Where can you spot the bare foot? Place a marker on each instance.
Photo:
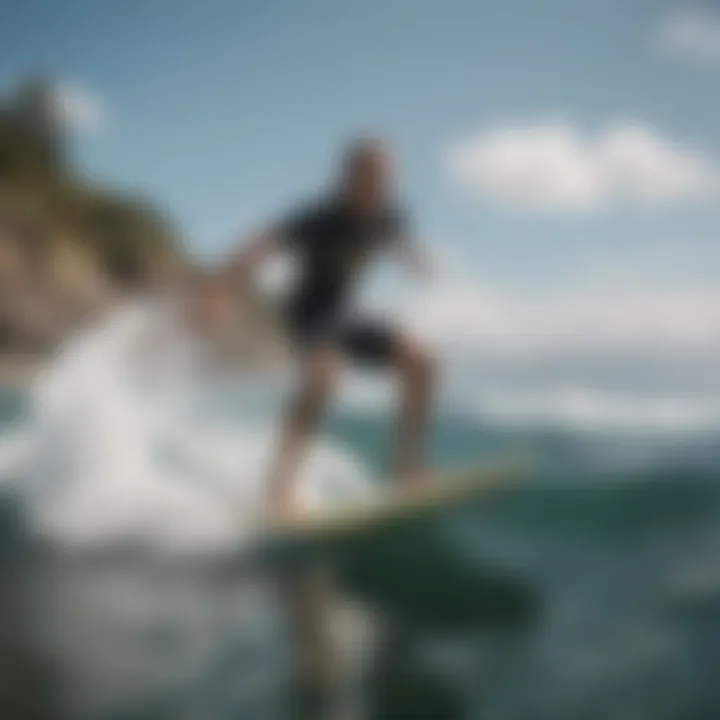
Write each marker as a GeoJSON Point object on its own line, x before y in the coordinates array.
{"type": "Point", "coordinates": [412, 483]}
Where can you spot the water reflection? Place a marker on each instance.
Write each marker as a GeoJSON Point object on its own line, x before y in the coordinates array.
{"type": "Point", "coordinates": [139, 640]}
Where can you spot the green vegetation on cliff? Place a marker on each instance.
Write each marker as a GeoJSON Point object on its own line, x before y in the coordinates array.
{"type": "Point", "coordinates": [44, 199]}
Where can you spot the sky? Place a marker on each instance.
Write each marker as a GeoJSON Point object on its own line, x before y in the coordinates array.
{"type": "Point", "coordinates": [560, 157]}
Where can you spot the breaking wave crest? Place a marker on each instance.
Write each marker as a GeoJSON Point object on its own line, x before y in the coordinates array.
{"type": "Point", "coordinates": [127, 444]}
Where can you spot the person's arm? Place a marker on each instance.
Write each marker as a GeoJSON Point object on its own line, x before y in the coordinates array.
{"type": "Point", "coordinates": [407, 249]}
{"type": "Point", "coordinates": [289, 233]}
{"type": "Point", "coordinates": [251, 253]}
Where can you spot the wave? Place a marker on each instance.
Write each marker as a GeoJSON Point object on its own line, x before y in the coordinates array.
{"type": "Point", "coordinates": [580, 408]}
{"type": "Point", "coordinates": [127, 444]}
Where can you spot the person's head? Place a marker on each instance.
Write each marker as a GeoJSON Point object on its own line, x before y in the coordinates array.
{"type": "Point", "coordinates": [367, 174]}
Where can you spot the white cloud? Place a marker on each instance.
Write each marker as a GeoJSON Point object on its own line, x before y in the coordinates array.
{"type": "Point", "coordinates": [79, 109]}
{"type": "Point", "coordinates": [554, 166]}
{"type": "Point", "coordinates": [693, 34]}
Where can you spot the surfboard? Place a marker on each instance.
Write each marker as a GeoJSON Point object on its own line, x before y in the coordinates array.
{"type": "Point", "coordinates": [390, 510]}
{"type": "Point", "coordinates": [391, 553]}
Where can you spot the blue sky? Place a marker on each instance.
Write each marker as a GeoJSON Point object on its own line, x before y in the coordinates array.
{"type": "Point", "coordinates": [226, 111]}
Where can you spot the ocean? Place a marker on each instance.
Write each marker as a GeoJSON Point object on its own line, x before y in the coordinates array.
{"type": "Point", "coordinates": [589, 591]}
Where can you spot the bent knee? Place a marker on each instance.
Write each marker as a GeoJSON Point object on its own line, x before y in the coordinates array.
{"type": "Point", "coordinates": [417, 361]}
{"type": "Point", "coordinates": [321, 374]}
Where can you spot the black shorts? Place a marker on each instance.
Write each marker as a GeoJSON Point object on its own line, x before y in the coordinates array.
{"type": "Point", "coordinates": [366, 341]}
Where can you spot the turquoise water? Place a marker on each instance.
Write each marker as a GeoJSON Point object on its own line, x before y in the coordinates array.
{"type": "Point", "coordinates": [591, 592]}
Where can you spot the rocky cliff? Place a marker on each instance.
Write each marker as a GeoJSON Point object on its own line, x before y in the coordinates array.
{"type": "Point", "coordinates": [69, 246]}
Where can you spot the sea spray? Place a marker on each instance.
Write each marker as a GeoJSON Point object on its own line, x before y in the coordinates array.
{"type": "Point", "coordinates": [129, 445]}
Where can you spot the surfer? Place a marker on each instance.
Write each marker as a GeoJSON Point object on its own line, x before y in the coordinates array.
{"type": "Point", "coordinates": [334, 239]}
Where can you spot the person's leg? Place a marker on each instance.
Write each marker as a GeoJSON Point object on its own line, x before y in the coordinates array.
{"type": "Point", "coordinates": [307, 597]}
{"type": "Point", "coordinates": [416, 369]}
{"type": "Point", "coordinates": [379, 345]}
{"type": "Point", "coordinates": [319, 374]}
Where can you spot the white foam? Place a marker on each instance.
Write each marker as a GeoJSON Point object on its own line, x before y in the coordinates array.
{"type": "Point", "coordinates": [15, 445]}
{"type": "Point", "coordinates": [581, 408]}
{"type": "Point", "coordinates": [124, 449]}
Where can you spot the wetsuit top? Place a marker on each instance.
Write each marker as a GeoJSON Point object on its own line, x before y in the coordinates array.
{"type": "Point", "coordinates": [333, 245]}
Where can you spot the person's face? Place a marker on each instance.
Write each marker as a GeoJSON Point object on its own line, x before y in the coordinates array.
{"type": "Point", "coordinates": [370, 184]}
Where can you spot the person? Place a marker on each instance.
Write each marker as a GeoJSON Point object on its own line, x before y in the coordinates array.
{"type": "Point", "coordinates": [334, 240]}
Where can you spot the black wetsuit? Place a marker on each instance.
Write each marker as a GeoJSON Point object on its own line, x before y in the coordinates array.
{"type": "Point", "coordinates": [333, 245]}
